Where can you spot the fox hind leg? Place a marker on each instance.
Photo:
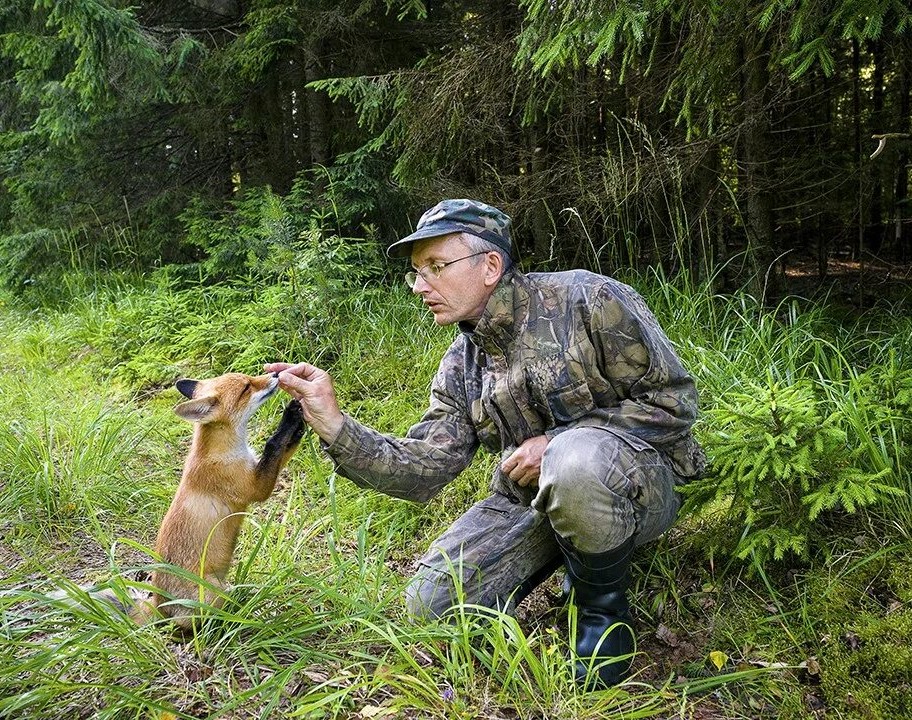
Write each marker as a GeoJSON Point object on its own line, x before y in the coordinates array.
{"type": "Point", "coordinates": [184, 616]}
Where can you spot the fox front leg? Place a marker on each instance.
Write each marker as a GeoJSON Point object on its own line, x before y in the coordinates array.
{"type": "Point", "coordinates": [279, 449]}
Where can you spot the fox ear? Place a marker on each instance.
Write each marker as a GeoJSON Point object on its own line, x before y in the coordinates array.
{"type": "Point", "coordinates": [200, 410]}
{"type": "Point", "coordinates": [186, 387]}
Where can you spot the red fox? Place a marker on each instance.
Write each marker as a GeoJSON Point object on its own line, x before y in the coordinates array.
{"type": "Point", "coordinates": [221, 477]}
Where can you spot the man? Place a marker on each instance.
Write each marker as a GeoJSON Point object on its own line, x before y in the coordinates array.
{"type": "Point", "coordinates": [570, 378]}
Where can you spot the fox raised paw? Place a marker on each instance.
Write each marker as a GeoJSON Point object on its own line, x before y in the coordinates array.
{"type": "Point", "coordinates": [292, 423]}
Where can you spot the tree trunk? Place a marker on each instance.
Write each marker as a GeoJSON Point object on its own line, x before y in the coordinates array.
{"type": "Point", "coordinates": [875, 228]}
{"type": "Point", "coordinates": [299, 123]}
{"type": "Point", "coordinates": [901, 207]}
{"type": "Point", "coordinates": [280, 169]}
{"type": "Point", "coordinates": [265, 160]}
{"type": "Point", "coordinates": [766, 279]}
{"type": "Point", "coordinates": [539, 215]}
{"type": "Point", "coordinates": [823, 218]}
{"type": "Point", "coordinates": [856, 119]}
{"type": "Point", "coordinates": [697, 197]}
{"type": "Point", "coordinates": [318, 111]}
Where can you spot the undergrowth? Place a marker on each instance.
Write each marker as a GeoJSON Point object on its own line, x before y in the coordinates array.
{"type": "Point", "coordinates": [785, 584]}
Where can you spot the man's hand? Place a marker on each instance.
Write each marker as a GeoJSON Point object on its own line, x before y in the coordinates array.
{"type": "Point", "coordinates": [313, 388]}
{"type": "Point", "coordinates": [524, 464]}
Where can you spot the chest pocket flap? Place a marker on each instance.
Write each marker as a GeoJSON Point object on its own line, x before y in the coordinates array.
{"type": "Point", "coordinates": [558, 388]}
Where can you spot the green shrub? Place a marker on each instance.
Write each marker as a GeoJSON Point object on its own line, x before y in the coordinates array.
{"type": "Point", "coordinates": [261, 236]}
{"type": "Point", "coordinates": [251, 238]}
{"type": "Point", "coordinates": [779, 458]}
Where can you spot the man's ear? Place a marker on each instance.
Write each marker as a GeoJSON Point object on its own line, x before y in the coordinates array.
{"type": "Point", "coordinates": [494, 268]}
{"type": "Point", "coordinates": [200, 410]}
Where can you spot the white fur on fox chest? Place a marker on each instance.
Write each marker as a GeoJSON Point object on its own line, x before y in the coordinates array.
{"type": "Point", "coordinates": [205, 508]}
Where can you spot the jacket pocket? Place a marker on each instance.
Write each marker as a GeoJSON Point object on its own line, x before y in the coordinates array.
{"type": "Point", "coordinates": [569, 403]}
{"type": "Point", "coordinates": [557, 388]}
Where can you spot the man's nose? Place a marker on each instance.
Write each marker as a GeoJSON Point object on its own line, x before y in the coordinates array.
{"type": "Point", "coordinates": [421, 285]}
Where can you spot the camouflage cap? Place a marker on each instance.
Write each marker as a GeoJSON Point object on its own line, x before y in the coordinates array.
{"type": "Point", "coordinates": [452, 216]}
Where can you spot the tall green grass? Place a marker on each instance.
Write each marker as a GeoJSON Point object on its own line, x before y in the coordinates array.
{"type": "Point", "coordinates": [855, 371]}
{"type": "Point", "coordinates": [314, 626]}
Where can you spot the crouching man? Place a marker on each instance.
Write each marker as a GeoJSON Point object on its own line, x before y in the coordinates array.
{"type": "Point", "coordinates": [569, 378]}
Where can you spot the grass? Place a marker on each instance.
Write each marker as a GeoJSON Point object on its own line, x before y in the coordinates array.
{"type": "Point", "coordinates": [314, 627]}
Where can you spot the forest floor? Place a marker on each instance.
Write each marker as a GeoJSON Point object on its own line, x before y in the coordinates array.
{"type": "Point", "coordinates": [857, 283]}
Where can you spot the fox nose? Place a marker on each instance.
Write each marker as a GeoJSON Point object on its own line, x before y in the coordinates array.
{"type": "Point", "coordinates": [275, 374]}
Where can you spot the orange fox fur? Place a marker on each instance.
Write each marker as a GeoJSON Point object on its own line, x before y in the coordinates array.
{"type": "Point", "coordinates": [221, 477]}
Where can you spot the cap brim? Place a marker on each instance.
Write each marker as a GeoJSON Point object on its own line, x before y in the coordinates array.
{"type": "Point", "coordinates": [403, 247]}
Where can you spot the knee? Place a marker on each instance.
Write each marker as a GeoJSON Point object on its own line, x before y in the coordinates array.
{"type": "Point", "coordinates": [579, 453]}
{"type": "Point", "coordinates": [573, 466]}
{"type": "Point", "coordinates": [430, 594]}
{"type": "Point", "coordinates": [586, 491]}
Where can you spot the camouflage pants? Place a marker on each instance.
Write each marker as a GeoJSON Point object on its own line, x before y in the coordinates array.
{"type": "Point", "coordinates": [597, 488]}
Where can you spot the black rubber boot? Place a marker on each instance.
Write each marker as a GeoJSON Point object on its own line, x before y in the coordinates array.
{"type": "Point", "coordinates": [522, 591]}
{"type": "Point", "coordinates": [599, 582]}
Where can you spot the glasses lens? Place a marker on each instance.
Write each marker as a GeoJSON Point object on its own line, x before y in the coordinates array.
{"type": "Point", "coordinates": [411, 278]}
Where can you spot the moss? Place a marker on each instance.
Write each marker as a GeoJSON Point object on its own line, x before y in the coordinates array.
{"type": "Point", "coordinates": [851, 615]}
{"type": "Point", "coordinates": [867, 672]}
{"type": "Point", "coordinates": [866, 637]}
{"type": "Point", "coordinates": [900, 580]}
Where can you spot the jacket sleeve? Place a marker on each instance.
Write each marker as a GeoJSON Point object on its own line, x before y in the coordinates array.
{"type": "Point", "coordinates": [433, 452]}
{"type": "Point", "coordinates": [658, 398]}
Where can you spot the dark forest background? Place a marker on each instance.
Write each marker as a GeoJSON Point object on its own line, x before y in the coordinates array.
{"type": "Point", "coordinates": [188, 188]}
{"type": "Point", "coordinates": [699, 134]}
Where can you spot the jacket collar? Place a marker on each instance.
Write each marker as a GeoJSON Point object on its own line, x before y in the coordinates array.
{"type": "Point", "coordinates": [507, 307]}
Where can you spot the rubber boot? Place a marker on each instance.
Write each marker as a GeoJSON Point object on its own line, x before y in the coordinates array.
{"type": "Point", "coordinates": [603, 622]}
{"type": "Point", "coordinates": [523, 589]}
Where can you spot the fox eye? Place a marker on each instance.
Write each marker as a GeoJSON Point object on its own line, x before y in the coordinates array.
{"type": "Point", "coordinates": [246, 389]}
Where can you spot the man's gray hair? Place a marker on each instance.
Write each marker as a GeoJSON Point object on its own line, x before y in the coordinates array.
{"type": "Point", "coordinates": [476, 244]}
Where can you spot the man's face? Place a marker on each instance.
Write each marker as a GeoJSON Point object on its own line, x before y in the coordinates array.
{"type": "Point", "coordinates": [462, 289]}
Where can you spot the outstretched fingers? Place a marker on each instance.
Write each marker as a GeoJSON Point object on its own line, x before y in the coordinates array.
{"type": "Point", "coordinates": [276, 367]}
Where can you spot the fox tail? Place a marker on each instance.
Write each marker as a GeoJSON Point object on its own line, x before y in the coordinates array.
{"type": "Point", "coordinates": [111, 599]}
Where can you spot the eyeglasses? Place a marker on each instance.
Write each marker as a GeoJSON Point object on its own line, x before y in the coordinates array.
{"type": "Point", "coordinates": [434, 269]}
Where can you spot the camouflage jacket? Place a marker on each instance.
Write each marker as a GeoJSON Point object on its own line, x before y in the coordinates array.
{"type": "Point", "coordinates": [553, 351]}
